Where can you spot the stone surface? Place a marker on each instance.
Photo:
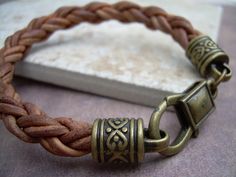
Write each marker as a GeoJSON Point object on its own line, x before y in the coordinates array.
{"type": "Point", "coordinates": [128, 62]}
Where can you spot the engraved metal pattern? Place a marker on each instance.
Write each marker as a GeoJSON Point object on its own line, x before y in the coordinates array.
{"type": "Point", "coordinates": [197, 105]}
{"type": "Point", "coordinates": [203, 51]}
{"type": "Point", "coordinates": [118, 140]}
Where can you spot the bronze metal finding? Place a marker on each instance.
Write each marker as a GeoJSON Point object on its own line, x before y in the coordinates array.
{"type": "Point", "coordinates": [192, 108]}
{"type": "Point", "coordinates": [203, 52]}
{"type": "Point", "coordinates": [118, 140]}
{"type": "Point", "coordinates": [122, 139]}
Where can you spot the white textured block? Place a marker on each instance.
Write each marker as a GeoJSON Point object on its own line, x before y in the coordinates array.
{"type": "Point", "coordinates": [127, 62]}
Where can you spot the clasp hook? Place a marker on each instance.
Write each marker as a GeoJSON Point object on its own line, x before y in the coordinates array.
{"type": "Point", "coordinates": [192, 108]}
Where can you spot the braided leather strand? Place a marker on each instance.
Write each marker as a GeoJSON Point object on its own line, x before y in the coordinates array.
{"type": "Point", "coordinates": [64, 136]}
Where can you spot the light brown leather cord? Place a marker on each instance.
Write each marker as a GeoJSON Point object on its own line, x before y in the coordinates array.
{"type": "Point", "coordinates": [64, 136]}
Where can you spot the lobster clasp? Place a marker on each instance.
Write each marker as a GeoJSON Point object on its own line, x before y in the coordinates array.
{"type": "Point", "coordinates": [192, 108]}
{"type": "Point", "coordinates": [197, 104]}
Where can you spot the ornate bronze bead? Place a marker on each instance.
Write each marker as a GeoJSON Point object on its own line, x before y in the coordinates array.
{"type": "Point", "coordinates": [118, 140]}
{"type": "Point", "coordinates": [203, 52]}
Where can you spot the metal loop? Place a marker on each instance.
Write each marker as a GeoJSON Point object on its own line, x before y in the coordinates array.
{"type": "Point", "coordinates": [220, 79]}
{"type": "Point", "coordinates": [221, 72]}
{"type": "Point", "coordinates": [154, 132]}
{"type": "Point", "coordinates": [192, 108]}
{"type": "Point", "coordinates": [178, 144]}
{"type": "Point", "coordinates": [213, 89]}
{"type": "Point", "coordinates": [156, 145]}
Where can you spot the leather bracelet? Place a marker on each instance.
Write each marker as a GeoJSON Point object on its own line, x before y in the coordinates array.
{"type": "Point", "coordinates": [113, 139]}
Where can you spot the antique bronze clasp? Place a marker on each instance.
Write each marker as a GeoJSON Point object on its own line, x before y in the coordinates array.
{"type": "Point", "coordinates": [125, 140]}
{"type": "Point", "coordinates": [195, 106]}
{"type": "Point", "coordinates": [192, 108]}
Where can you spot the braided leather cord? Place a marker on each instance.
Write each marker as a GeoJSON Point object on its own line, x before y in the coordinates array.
{"type": "Point", "coordinates": [64, 136]}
